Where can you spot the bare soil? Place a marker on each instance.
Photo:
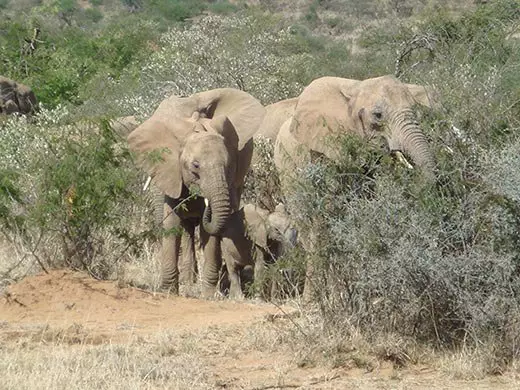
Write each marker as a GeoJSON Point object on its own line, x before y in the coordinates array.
{"type": "Point", "coordinates": [237, 345]}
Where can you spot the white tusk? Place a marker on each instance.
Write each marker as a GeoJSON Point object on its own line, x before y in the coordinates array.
{"type": "Point", "coordinates": [403, 160]}
{"type": "Point", "coordinates": [206, 202]}
{"type": "Point", "coordinates": [147, 184]}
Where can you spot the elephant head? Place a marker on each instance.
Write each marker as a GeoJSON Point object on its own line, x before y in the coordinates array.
{"type": "Point", "coordinates": [16, 97]}
{"type": "Point", "coordinates": [282, 233]}
{"type": "Point", "coordinates": [372, 108]}
{"type": "Point", "coordinates": [197, 141]}
{"type": "Point", "coordinates": [26, 99]}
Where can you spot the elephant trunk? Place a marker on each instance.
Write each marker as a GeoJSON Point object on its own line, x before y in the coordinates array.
{"type": "Point", "coordinates": [412, 141]}
{"type": "Point", "coordinates": [218, 209]}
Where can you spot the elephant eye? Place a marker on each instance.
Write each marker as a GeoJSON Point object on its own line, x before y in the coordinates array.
{"type": "Point", "coordinates": [378, 115]}
{"type": "Point", "coordinates": [195, 164]}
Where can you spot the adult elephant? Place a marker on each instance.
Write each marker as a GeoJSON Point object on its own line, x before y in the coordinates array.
{"type": "Point", "coordinates": [375, 108]}
{"type": "Point", "coordinates": [199, 143]}
{"type": "Point", "coordinates": [275, 115]}
{"type": "Point", "coordinates": [16, 97]}
{"type": "Point", "coordinates": [263, 178]}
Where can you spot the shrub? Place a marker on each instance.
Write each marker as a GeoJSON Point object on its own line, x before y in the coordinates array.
{"type": "Point", "coordinates": [77, 193]}
{"type": "Point", "coordinates": [436, 263]}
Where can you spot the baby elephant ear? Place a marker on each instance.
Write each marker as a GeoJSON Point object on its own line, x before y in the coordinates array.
{"type": "Point", "coordinates": [255, 225]}
{"type": "Point", "coordinates": [158, 152]}
{"type": "Point", "coordinates": [223, 126]}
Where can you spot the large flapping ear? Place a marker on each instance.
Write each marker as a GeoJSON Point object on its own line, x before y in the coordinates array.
{"type": "Point", "coordinates": [325, 108]}
{"type": "Point", "coordinates": [222, 125]}
{"type": "Point", "coordinates": [243, 111]}
{"type": "Point", "coordinates": [158, 150]}
{"type": "Point", "coordinates": [425, 95]}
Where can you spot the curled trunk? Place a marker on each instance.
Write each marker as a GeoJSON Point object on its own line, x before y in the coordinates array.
{"type": "Point", "coordinates": [413, 142]}
{"type": "Point", "coordinates": [218, 210]}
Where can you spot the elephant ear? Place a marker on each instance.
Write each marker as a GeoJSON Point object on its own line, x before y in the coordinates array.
{"type": "Point", "coordinates": [256, 228]}
{"type": "Point", "coordinates": [325, 110]}
{"type": "Point", "coordinates": [241, 109]}
{"type": "Point", "coordinates": [425, 95]}
{"type": "Point", "coordinates": [222, 125]}
{"type": "Point", "coordinates": [158, 150]}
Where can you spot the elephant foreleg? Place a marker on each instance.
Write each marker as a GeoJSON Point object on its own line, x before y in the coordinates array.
{"type": "Point", "coordinates": [189, 262]}
{"type": "Point", "coordinates": [235, 288]}
{"type": "Point", "coordinates": [170, 247]}
{"type": "Point", "coordinates": [212, 263]}
{"type": "Point", "coordinates": [262, 291]}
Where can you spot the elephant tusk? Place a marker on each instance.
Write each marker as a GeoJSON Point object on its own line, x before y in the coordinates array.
{"type": "Point", "coordinates": [206, 202]}
{"type": "Point", "coordinates": [147, 184]}
{"type": "Point", "coordinates": [403, 160]}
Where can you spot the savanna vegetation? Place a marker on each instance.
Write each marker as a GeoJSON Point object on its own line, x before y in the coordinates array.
{"type": "Point", "coordinates": [423, 266]}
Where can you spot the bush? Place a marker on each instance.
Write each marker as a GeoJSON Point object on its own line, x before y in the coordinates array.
{"type": "Point", "coordinates": [435, 263]}
{"type": "Point", "coordinates": [75, 199]}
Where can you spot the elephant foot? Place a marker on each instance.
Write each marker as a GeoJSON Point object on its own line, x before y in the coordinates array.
{"type": "Point", "coordinates": [236, 295]}
{"type": "Point", "coordinates": [208, 292]}
{"type": "Point", "coordinates": [170, 288]}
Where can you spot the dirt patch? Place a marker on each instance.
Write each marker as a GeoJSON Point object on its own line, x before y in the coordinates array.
{"type": "Point", "coordinates": [102, 309]}
{"type": "Point", "coordinates": [57, 329]}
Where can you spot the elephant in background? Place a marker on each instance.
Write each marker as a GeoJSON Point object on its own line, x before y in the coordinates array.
{"type": "Point", "coordinates": [197, 150]}
{"type": "Point", "coordinates": [275, 115]}
{"type": "Point", "coordinates": [255, 237]}
{"type": "Point", "coordinates": [374, 109]}
{"type": "Point", "coordinates": [263, 183]}
{"type": "Point", "coordinates": [16, 97]}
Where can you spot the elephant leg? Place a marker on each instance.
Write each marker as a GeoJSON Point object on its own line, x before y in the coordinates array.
{"type": "Point", "coordinates": [235, 287]}
{"type": "Point", "coordinates": [260, 274]}
{"type": "Point", "coordinates": [170, 247]}
{"type": "Point", "coordinates": [188, 270]}
{"type": "Point", "coordinates": [212, 263]}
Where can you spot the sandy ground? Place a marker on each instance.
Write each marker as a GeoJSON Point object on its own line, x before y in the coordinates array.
{"type": "Point", "coordinates": [232, 342]}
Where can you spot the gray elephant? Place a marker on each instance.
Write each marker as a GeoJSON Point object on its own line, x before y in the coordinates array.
{"type": "Point", "coordinates": [16, 97]}
{"type": "Point", "coordinates": [374, 109]}
{"type": "Point", "coordinates": [197, 150]}
{"type": "Point", "coordinates": [255, 237]}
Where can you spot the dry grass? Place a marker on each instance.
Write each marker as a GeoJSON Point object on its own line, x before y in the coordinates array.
{"type": "Point", "coordinates": [137, 365]}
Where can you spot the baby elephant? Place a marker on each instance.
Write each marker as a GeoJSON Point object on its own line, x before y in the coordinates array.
{"type": "Point", "coordinates": [255, 237]}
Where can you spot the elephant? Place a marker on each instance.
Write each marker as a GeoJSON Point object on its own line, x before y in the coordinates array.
{"type": "Point", "coordinates": [275, 115]}
{"type": "Point", "coordinates": [374, 109]}
{"type": "Point", "coordinates": [263, 181]}
{"type": "Point", "coordinates": [255, 237]}
{"type": "Point", "coordinates": [16, 97]}
{"type": "Point", "coordinates": [197, 150]}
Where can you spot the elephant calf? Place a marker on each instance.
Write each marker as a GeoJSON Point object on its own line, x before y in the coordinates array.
{"type": "Point", "coordinates": [256, 238]}
{"type": "Point", "coordinates": [16, 97]}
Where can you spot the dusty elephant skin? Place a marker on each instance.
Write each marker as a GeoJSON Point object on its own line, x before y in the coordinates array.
{"type": "Point", "coordinates": [202, 142]}
{"type": "Point", "coordinates": [255, 237]}
{"type": "Point", "coordinates": [16, 97]}
{"type": "Point", "coordinates": [374, 109]}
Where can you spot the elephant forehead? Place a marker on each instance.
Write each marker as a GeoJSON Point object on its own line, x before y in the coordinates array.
{"type": "Point", "coordinates": [204, 145]}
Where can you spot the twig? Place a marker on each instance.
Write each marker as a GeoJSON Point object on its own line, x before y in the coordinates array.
{"type": "Point", "coordinates": [289, 316]}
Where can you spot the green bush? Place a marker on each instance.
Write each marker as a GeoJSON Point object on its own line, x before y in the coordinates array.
{"type": "Point", "coordinates": [93, 14]}
{"type": "Point", "coordinates": [75, 195]}
{"type": "Point", "coordinates": [435, 263]}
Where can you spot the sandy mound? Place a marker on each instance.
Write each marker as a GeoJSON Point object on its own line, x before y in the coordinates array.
{"type": "Point", "coordinates": [63, 299]}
